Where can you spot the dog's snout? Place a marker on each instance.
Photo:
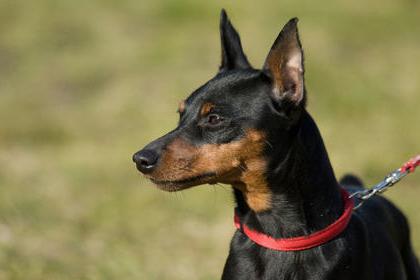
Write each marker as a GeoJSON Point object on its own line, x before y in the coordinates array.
{"type": "Point", "coordinates": [146, 160]}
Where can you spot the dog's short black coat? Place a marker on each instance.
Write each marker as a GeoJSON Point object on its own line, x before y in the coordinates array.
{"type": "Point", "coordinates": [249, 128]}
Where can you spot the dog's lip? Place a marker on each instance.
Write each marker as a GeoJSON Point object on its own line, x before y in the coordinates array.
{"type": "Point", "coordinates": [175, 185]}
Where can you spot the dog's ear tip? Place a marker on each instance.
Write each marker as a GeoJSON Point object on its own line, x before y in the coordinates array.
{"type": "Point", "coordinates": [291, 24]}
{"type": "Point", "coordinates": [223, 15]}
{"type": "Point", "coordinates": [294, 20]}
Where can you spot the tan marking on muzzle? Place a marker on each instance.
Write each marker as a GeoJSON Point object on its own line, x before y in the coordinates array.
{"type": "Point", "coordinates": [239, 163]}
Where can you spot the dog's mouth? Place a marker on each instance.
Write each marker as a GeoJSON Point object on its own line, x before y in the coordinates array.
{"type": "Point", "coordinates": [176, 185]}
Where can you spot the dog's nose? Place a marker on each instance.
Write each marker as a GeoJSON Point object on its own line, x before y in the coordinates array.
{"type": "Point", "coordinates": [146, 160]}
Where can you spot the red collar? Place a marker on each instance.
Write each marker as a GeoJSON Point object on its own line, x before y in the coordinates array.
{"type": "Point", "coordinates": [302, 242]}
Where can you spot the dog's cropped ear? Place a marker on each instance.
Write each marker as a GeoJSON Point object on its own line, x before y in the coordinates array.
{"type": "Point", "coordinates": [284, 65]}
{"type": "Point", "coordinates": [233, 56]}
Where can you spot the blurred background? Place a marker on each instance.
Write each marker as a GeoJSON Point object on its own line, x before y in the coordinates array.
{"type": "Point", "coordinates": [85, 84]}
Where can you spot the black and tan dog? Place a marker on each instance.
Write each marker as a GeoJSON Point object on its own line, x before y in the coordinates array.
{"type": "Point", "coordinates": [249, 128]}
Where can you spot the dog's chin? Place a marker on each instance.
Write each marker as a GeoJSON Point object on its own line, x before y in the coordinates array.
{"type": "Point", "coordinates": [185, 183]}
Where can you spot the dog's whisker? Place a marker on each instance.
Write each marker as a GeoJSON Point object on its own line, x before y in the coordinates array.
{"type": "Point", "coordinates": [269, 144]}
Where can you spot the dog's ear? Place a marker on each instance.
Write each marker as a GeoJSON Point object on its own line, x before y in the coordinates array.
{"type": "Point", "coordinates": [233, 56]}
{"type": "Point", "coordinates": [284, 65]}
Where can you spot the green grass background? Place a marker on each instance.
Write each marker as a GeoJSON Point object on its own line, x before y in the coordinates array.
{"type": "Point", "coordinates": [85, 84]}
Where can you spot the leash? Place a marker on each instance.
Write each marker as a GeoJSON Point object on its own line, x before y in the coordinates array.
{"type": "Point", "coordinates": [390, 180]}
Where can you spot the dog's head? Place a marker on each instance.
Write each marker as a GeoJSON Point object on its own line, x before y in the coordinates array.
{"type": "Point", "coordinates": [229, 126]}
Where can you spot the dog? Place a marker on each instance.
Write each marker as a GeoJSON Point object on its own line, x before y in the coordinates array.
{"type": "Point", "coordinates": [250, 128]}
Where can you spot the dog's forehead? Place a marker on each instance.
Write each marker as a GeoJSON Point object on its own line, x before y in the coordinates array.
{"type": "Point", "coordinates": [225, 89]}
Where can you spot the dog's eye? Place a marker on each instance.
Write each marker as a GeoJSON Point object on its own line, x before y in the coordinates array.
{"type": "Point", "coordinates": [214, 119]}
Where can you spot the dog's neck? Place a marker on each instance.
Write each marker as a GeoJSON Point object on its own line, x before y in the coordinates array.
{"type": "Point", "coordinates": [305, 194]}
